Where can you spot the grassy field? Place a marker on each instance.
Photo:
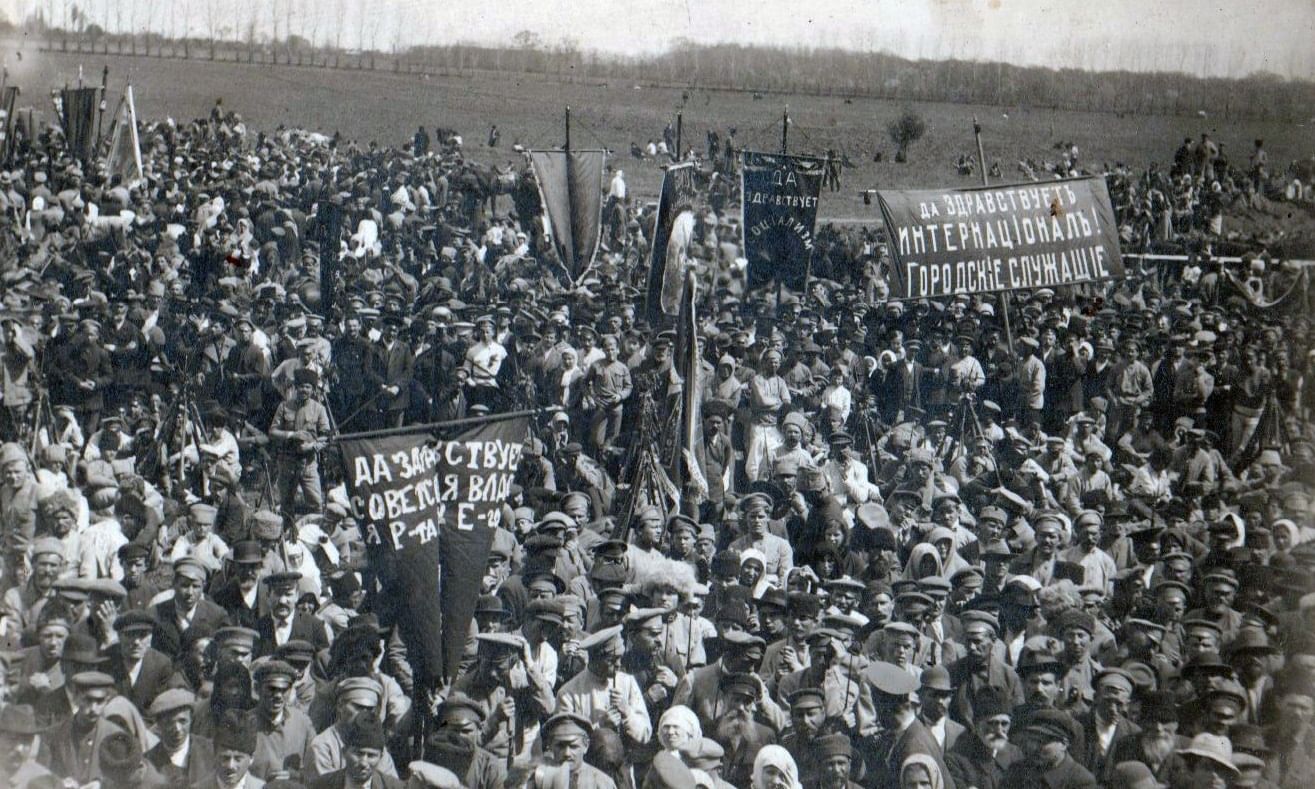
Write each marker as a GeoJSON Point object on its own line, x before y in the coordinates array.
{"type": "Point", "coordinates": [387, 107]}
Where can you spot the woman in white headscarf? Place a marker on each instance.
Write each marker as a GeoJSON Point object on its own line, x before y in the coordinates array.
{"type": "Point", "coordinates": [678, 728]}
{"type": "Point", "coordinates": [920, 771]}
{"type": "Point", "coordinates": [774, 768]}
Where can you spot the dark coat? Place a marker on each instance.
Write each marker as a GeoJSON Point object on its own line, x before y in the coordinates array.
{"type": "Point", "coordinates": [1068, 774]}
{"type": "Point", "coordinates": [395, 367]}
{"type": "Point", "coordinates": [304, 628]}
{"type": "Point", "coordinates": [70, 753]}
{"type": "Point", "coordinates": [971, 764]}
{"type": "Point", "coordinates": [229, 597]}
{"type": "Point", "coordinates": [152, 680]}
{"type": "Point", "coordinates": [200, 762]}
{"type": "Point", "coordinates": [1089, 756]}
{"type": "Point", "coordinates": [338, 779]}
{"type": "Point", "coordinates": [888, 751]}
{"type": "Point", "coordinates": [208, 617]}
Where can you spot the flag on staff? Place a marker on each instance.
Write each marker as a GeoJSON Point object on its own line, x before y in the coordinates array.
{"type": "Point", "coordinates": [78, 115]}
{"type": "Point", "coordinates": [779, 215]}
{"type": "Point", "coordinates": [428, 511]}
{"type": "Point", "coordinates": [571, 189]}
{"type": "Point", "coordinates": [125, 153]}
{"type": "Point", "coordinates": [672, 235]}
{"type": "Point", "coordinates": [687, 342]}
{"type": "Point", "coordinates": [7, 102]}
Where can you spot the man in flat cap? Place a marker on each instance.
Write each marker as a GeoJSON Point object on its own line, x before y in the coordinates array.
{"type": "Point", "coordinates": [1106, 724]}
{"type": "Point", "coordinates": [455, 740]}
{"type": "Point", "coordinates": [140, 672]}
{"type": "Point", "coordinates": [895, 699]}
{"type": "Point", "coordinates": [567, 737]}
{"type": "Point", "coordinates": [282, 731]}
{"type": "Point", "coordinates": [72, 743]}
{"type": "Point", "coordinates": [300, 426]}
{"type": "Point", "coordinates": [603, 693]}
{"type": "Point", "coordinates": [284, 622]}
{"type": "Point", "coordinates": [509, 690]}
{"type": "Point", "coordinates": [188, 609]}
{"type": "Point", "coordinates": [183, 758]}
{"type": "Point", "coordinates": [1045, 741]}
{"type": "Point", "coordinates": [364, 749]}
{"type": "Point", "coordinates": [353, 696]}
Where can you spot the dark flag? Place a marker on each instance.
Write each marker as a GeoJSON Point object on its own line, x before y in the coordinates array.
{"type": "Point", "coordinates": [7, 102]}
{"type": "Point", "coordinates": [780, 211]}
{"type": "Point", "coordinates": [428, 510]}
{"type": "Point", "coordinates": [571, 188]}
{"type": "Point", "coordinates": [672, 235]}
{"type": "Point", "coordinates": [78, 114]}
{"type": "Point", "coordinates": [690, 367]}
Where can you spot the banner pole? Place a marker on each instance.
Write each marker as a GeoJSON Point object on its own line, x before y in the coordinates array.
{"type": "Point", "coordinates": [679, 122]}
{"type": "Point", "coordinates": [785, 129]}
{"type": "Point", "coordinates": [1004, 294]}
{"type": "Point", "coordinates": [567, 147]}
{"type": "Point", "coordinates": [466, 422]}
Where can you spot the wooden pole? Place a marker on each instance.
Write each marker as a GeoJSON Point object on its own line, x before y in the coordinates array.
{"type": "Point", "coordinates": [785, 129]}
{"type": "Point", "coordinates": [467, 422]}
{"type": "Point", "coordinates": [568, 128]}
{"type": "Point", "coordinates": [679, 123]}
{"type": "Point", "coordinates": [1004, 294]}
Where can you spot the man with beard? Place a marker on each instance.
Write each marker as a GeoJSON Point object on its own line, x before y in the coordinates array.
{"type": "Point", "coordinates": [454, 744]}
{"type": "Point", "coordinates": [72, 743]}
{"type": "Point", "coordinates": [353, 696]}
{"type": "Point", "coordinates": [364, 751]}
{"type": "Point", "coordinates": [284, 622]}
{"type": "Point", "coordinates": [283, 733]}
{"type": "Point", "coordinates": [894, 697]}
{"type": "Point", "coordinates": [1157, 744]}
{"type": "Point", "coordinates": [140, 672]}
{"type": "Point", "coordinates": [807, 717]}
{"type": "Point", "coordinates": [737, 729]}
{"type": "Point", "coordinates": [833, 759]}
{"type": "Point", "coordinates": [981, 756]}
{"type": "Point", "coordinates": [240, 597]}
{"type": "Point", "coordinates": [1039, 670]}
{"type": "Point", "coordinates": [700, 689]}
{"type": "Point", "coordinates": [183, 758]}
{"type": "Point", "coordinates": [509, 691]}
{"type": "Point", "coordinates": [981, 667]}
{"type": "Point", "coordinates": [1046, 763]}
{"type": "Point", "coordinates": [1219, 591]}
{"type": "Point", "coordinates": [1106, 724]}
{"type": "Point", "coordinates": [715, 455]}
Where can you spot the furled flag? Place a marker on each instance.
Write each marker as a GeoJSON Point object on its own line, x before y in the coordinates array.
{"type": "Point", "coordinates": [571, 188]}
{"type": "Point", "coordinates": [125, 153]}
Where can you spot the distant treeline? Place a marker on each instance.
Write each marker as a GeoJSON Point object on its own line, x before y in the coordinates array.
{"type": "Point", "coordinates": [827, 72]}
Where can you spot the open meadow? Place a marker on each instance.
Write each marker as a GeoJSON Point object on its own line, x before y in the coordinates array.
{"type": "Point", "coordinates": [387, 107]}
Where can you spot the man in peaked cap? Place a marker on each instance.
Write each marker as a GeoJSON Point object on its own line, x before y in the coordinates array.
{"type": "Point", "coordinates": [183, 758]}
{"type": "Point", "coordinates": [281, 730]}
{"type": "Point", "coordinates": [186, 610]}
{"type": "Point", "coordinates": [72, 743]}
{"type": "Point", "coordinates": [603, 693]}
{"type": "Point", "coordinates": [140, 672]}
{"type": "Point", "coordinates": [353, 696]}
{"type": "Point", "coordinates": [284, 622]}
{"type": "Point", "coordinates": [895, 700]}
{"type": "Point", "coordinates": [506, 710]}
{"type": "Point", "coordinates": [300, 428]}
{"type": "Point", "coordinates": [1106, 724]}
{"type": "Point", "coordinates": [1045, 739]}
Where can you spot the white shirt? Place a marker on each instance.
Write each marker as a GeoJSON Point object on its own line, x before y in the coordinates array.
{"type": "Point", "coordinates": [179, 757]}
{"type": "Point", "coordinates": [282, 632]}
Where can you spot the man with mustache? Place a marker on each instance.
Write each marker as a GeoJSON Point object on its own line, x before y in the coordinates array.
{"type": "Point", "coordinates": [1157, 744]}
{"type": "Point", "coordinates": [284, 622]}
{"type": "Point", "coordinates": [981, 756]}
{"type": "Point", "coordinates": [1106, 724]}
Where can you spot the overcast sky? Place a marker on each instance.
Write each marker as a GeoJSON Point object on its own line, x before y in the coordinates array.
{"type": "Point", "coordinates": [1198, 36]}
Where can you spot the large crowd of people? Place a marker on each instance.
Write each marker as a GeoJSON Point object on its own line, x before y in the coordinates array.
{"type": "Point", "coordinates": [1060, 540]}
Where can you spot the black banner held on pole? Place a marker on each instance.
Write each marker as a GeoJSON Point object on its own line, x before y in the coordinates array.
{"type": "Point", "coordinates": [779, 215]}
{"type": "Point", "coordinates": [1000, 238]}
{"type": "Point", "coordinates": [428, 510]}
{"type": "Point", "coordinates": [672, 234]}
{"type": "Point", "coordinates": [79, 117]}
